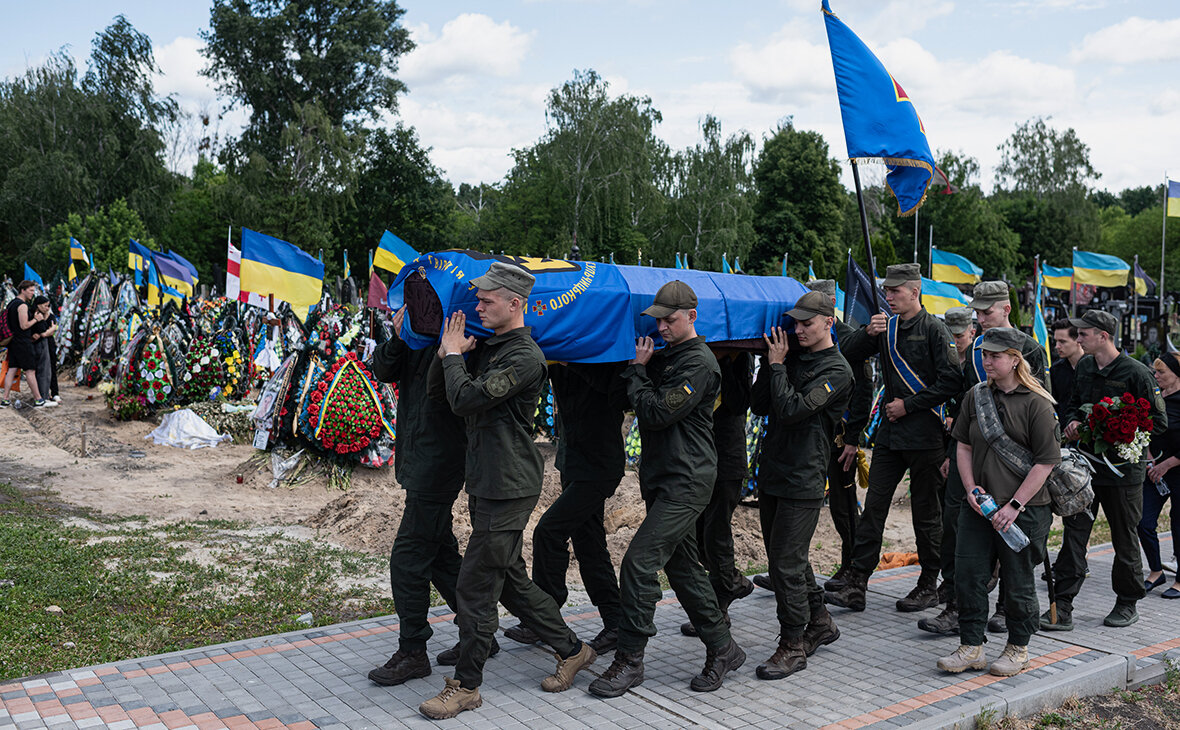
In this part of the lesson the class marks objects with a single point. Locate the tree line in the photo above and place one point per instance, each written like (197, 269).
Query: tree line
(84, 153)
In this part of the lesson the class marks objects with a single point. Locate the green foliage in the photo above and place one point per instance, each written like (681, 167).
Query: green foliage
(966, 223)
(105, 235)
(1039, 160)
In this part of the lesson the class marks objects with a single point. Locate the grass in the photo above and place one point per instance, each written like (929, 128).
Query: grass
(1098, 535)
(127, 588)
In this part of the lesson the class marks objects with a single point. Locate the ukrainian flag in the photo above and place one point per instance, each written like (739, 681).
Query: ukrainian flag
(173, 276)
(159, 292)
(273, 266)
(347, 268)
(77, 253)
(725, 268)
(1057, 278)
(192, 270)
(938, 297)
(1173, 199)
(1144, 284)
(1040, 330)
(138, 257)
(953, 268)
(1099, 269)
(393, 253)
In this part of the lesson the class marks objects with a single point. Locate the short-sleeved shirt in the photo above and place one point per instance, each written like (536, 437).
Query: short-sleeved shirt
(1028, 420)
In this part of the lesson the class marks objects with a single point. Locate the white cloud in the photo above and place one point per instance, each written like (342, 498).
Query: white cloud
(1165, 103)
(470, 45)
(180, 64)
(787, 67)
(1135, 40)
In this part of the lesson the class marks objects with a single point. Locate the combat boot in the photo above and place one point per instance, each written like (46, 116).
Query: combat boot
(522, 633)
(605, 641)
(820, 631)
(688, 629)
(1064, 620)
(625, 672)
(1123, 614)
(450, 657)
(718, 662)
(402, 666)
(945, 623)
(1012, 661)
(451, 701)
(836, 582)
(998, 623)
(788, 658)
(965, 657)
(763, 581)
(563, 678)
(852, 594)
(923, 596)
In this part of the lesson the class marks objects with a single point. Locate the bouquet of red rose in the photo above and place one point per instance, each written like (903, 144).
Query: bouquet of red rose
(1124, 424)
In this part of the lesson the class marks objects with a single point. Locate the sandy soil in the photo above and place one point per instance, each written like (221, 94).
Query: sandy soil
(122, 473)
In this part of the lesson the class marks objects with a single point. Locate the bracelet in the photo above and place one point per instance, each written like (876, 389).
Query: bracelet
(1016, 505)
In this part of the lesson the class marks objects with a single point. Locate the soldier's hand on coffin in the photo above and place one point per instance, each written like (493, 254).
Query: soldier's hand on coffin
(644, 347)
(454, 339)
(877, 325)
(777, 346)
(895, 409)
(399, 318)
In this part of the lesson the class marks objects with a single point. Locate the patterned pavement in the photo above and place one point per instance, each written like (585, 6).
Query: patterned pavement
(880, 674)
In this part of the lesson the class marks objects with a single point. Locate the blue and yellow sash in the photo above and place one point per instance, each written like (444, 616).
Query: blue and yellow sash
(977, 360)
(911, 379)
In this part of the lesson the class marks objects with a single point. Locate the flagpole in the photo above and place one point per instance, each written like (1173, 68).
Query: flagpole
(931, 249)
(1135, 302)
(916, 238)
(864, 231)
(1073, 287)
(1159, 290)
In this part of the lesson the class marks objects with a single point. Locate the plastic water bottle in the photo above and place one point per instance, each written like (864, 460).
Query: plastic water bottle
(1162, 487)
(1014, 536)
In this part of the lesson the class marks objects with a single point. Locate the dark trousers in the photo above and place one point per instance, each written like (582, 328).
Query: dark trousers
(977, 548)
(577, 516)
(715, 540)
(885, 474)
(842, 505)
(787, 528)
(667, 539)
(425, 551)
(1153, 504)
(44, 368)
(492, 569)
(953, 503)
(1123, 507)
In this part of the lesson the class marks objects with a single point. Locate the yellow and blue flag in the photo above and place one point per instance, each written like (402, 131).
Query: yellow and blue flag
(1040, 330)
(1144, 284)
(393, 253)
(938, 296)
(33, 275)
(158, 290)
(192, 270)
(1056, 277)
(679, 263)
(880, 121)
(953, 268)
(347, 268)
(1173, 199)
(273, 266)
(725, 268)
(737, 266)
(77, 253)
(138, 257)
(1099, 269)
(173, 275)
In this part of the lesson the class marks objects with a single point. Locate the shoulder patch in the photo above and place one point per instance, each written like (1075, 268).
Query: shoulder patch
(500, 382)
(1159, 399)
(818, 395)
(677, 397)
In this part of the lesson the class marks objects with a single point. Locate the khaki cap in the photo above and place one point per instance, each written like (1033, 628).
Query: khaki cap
(958, 319)
(898, 274)
(987, 293)
(827, 286)
(812, 304)
(999, 339)
(673, 296)
(1096, 319)
(506, 276)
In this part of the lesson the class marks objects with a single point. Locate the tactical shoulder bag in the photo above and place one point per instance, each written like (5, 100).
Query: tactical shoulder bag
(1069, 482)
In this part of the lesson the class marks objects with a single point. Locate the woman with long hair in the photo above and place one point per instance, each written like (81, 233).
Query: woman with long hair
(1025, 411)
(1165, 453)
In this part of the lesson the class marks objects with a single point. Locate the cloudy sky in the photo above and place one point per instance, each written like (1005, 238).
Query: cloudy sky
(975, 69)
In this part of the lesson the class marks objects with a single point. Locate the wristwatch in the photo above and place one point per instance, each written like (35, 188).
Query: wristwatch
(1016, 505)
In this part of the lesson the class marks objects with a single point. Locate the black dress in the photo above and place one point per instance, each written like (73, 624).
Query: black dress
(20, 349)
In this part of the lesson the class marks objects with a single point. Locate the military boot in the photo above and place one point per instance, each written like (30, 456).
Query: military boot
(945, 623)
(522, 633)
(836, 582)
(450, 657)
(625, 672)
(964, 658)
(788, 658)
(923, 596)
(763, 581)
(998, 623)
(605, 641)
(1064, 620)
(852, 594)
(688, 629)
(567, 667)
(820, 631)
(1123, 614)
(1012, 661)
(718, 662)
(451, 701)
(402, 666)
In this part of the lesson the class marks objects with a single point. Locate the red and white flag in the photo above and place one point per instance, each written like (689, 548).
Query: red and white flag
(233, 277)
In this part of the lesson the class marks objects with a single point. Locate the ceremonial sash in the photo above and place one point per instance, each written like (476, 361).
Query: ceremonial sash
(977, 360)
(911, 379)
(847, 414)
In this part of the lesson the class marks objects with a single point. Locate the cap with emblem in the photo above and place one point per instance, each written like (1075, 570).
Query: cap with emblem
(673, 296)
(827, 286)
(958, 319)
(506, 276)
(812, 304)
(898, 274)
(987, 293)
(999, 339)
(1096, 319)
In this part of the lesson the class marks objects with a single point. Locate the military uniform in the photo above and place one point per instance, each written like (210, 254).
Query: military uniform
(914, 442)
(496, 392)
(673, 399)
(428, 463)
(842, 500)
(805, 399)
(590, 456)
(1121, 498)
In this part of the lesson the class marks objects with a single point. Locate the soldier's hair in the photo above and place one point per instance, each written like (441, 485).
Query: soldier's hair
(1063, 324)
(25, 285)
(1025, 377)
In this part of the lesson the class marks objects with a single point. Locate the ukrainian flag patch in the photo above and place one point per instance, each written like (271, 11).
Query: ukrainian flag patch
(687, 389)
(828, 386)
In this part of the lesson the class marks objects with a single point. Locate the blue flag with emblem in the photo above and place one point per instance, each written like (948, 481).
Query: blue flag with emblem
(880, 121)
(858, 296)
(588, 311)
